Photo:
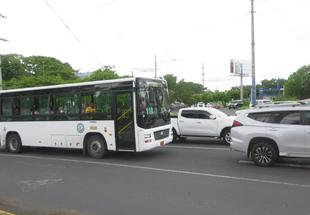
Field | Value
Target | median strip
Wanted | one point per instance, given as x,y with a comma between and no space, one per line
2,212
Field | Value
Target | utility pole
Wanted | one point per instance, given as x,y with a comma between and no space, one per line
253,91
0,74
155,66
241,85
4,40
203,76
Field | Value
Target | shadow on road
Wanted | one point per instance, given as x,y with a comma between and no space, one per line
202,141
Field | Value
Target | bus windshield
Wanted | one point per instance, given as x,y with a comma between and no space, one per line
152,104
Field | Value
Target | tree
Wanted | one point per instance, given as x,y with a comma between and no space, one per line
49,66
105,73
13,66
28,81
184,91
298,83
172,83
273,83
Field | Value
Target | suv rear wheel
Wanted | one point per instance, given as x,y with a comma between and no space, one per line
264,154
226,136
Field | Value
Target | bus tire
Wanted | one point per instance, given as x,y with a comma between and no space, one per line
13,143
96,147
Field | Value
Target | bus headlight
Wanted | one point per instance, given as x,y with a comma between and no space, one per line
147,136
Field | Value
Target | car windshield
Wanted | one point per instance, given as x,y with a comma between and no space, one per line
152,104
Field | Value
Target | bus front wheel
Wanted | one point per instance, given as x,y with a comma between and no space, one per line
13,143
96,147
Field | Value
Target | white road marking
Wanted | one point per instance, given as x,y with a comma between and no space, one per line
203,148
278,164
232,178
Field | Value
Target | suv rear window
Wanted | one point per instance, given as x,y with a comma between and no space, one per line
195,114
277,117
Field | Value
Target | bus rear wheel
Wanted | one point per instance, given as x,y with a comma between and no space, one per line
13,143
96,147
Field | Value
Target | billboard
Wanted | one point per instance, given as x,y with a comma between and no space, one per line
240,67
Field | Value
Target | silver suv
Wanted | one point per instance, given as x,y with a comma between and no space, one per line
266,134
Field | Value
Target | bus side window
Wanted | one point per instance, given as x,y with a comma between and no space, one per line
44,104
35,106
67,104
25,107
41,107
60,104
103,104
16,107
6,110
87,103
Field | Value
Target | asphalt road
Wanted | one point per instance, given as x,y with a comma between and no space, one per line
193,177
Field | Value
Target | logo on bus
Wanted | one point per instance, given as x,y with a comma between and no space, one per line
80,128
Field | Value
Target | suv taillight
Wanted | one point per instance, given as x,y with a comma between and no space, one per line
237,123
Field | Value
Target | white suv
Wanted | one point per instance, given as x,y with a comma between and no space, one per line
269,133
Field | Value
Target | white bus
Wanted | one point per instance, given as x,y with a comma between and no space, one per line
130,114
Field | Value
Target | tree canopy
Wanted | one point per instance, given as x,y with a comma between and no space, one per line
106,73
298,83
19,71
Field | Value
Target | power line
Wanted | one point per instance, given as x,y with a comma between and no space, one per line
4,40
73,34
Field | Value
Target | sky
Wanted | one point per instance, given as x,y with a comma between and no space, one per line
183,34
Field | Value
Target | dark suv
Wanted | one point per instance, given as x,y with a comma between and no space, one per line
235,104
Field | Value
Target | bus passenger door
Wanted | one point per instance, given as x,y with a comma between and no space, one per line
124,121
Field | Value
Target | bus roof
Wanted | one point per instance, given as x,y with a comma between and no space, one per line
73,85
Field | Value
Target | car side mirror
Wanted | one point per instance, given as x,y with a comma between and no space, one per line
212,117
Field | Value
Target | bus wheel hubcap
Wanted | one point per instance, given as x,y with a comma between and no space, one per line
13,144
95,146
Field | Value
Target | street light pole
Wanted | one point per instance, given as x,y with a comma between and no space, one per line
253,96
155,67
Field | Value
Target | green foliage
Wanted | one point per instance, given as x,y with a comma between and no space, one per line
298,83
28,81
19,71
13,66
184,91
273,83
172,83
48,66
106,73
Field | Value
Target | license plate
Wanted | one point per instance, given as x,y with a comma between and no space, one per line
162,143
